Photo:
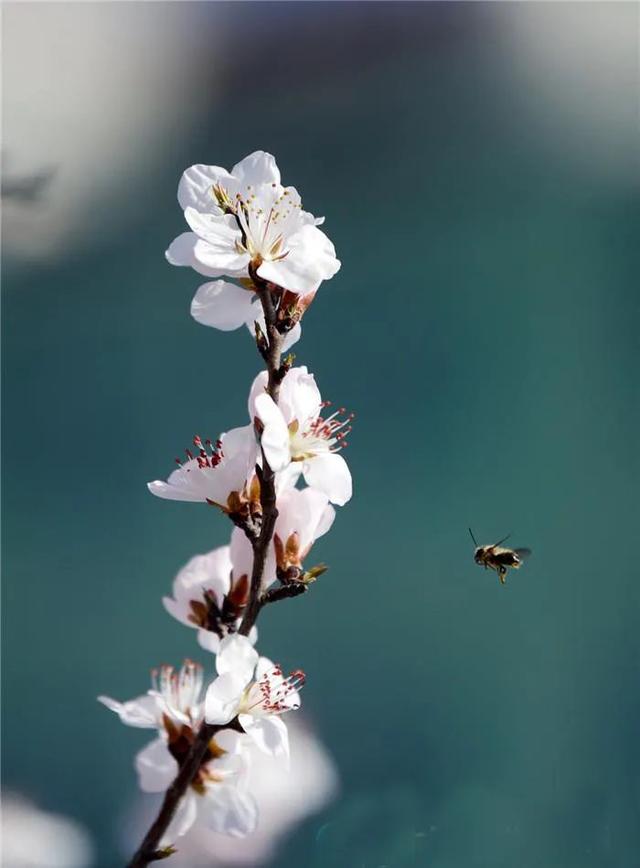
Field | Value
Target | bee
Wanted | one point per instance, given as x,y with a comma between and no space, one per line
497,558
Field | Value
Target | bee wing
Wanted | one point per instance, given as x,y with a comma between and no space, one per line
523,554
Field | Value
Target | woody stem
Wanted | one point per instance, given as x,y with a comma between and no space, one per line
149,850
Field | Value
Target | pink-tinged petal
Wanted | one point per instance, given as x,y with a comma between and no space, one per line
275,436
183,819
195,188
269,733
329,473
181,251
229,810
156,767
209,640
304,512
140,712
237,655
255,169
222,305
210,572
223,698
311,258
178,610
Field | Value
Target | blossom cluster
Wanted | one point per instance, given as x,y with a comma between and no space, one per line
278,478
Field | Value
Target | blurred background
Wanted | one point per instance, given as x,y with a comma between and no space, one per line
478,167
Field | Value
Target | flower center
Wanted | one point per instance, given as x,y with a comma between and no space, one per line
180,690
274,694
320,435
265,219
209,455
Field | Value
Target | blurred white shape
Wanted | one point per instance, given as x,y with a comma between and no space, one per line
32,838
93,97
284,800
575,68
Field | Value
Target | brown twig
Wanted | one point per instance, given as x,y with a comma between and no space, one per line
149,849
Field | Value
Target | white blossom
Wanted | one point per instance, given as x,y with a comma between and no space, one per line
303,517
255,691
217,796
220,474
296,431
209,594
245,218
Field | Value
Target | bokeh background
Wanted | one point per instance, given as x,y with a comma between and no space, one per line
478,166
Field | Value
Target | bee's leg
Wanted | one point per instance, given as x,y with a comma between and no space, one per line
502,572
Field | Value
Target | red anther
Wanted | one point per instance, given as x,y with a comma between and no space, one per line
189,454
178,462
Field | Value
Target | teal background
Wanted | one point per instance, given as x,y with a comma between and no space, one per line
483,327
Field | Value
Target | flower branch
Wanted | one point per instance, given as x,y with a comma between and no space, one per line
246,226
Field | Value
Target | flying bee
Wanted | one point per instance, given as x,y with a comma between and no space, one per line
497,558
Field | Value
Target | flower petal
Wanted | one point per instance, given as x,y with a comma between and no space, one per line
269,733
140,712
223,698
329,473
229,810
183,819
237,655
222,305
209,640
311,258
275,436
257,168
300,396
195,188
181,251
155,766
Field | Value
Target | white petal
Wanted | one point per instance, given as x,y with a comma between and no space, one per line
275,437
328,472
257,168
210,571
292,337
269,733
223,698
140,712
311,258
237,655
156,767
326,520
300,396
181,251
183,819
229,810
179,610
169,491
195,188
304,512
222,305
209,640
